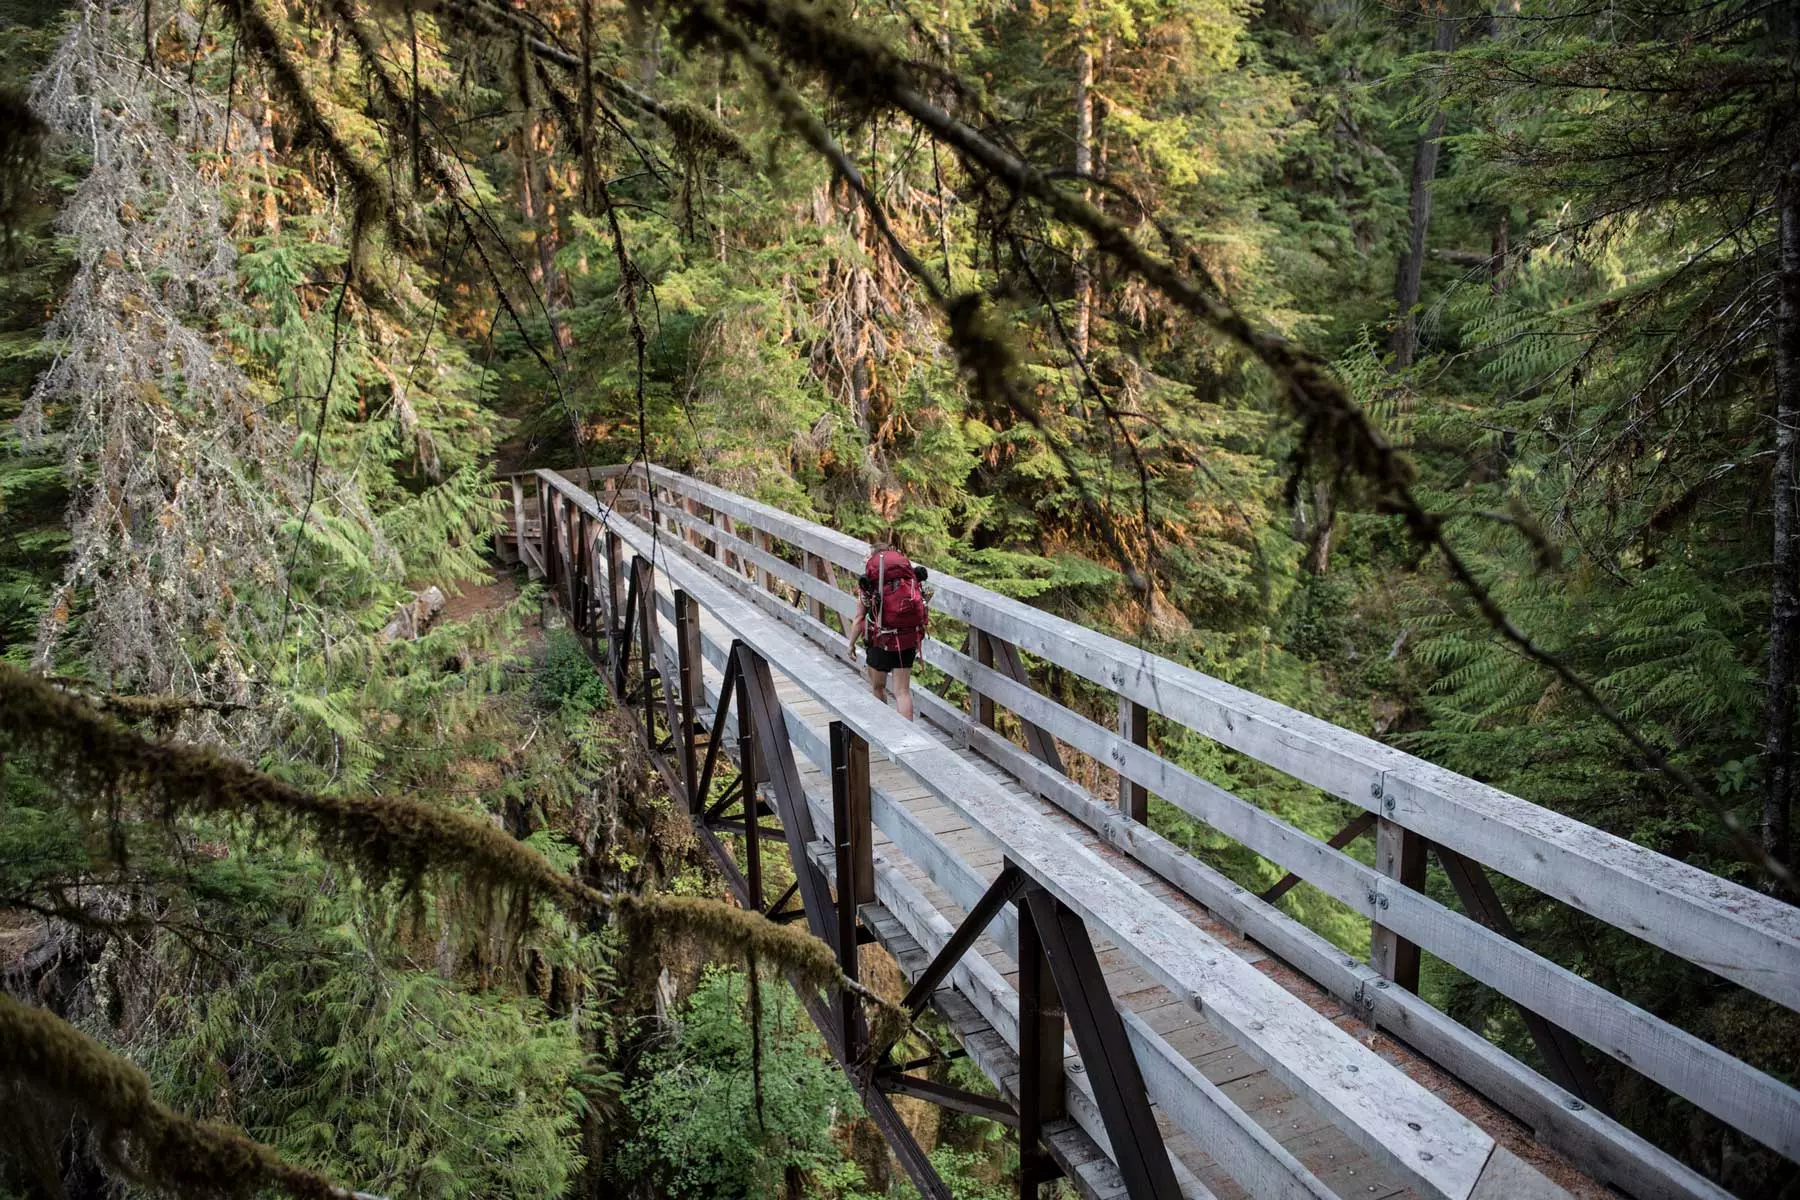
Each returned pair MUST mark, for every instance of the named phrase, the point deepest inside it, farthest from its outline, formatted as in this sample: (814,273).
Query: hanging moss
(141,1138)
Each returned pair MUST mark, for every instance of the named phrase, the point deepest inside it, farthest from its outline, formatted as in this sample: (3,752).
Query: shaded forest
(1433,369)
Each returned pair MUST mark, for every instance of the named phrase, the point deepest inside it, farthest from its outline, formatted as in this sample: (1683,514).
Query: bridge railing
(1737,933)
(1732,931)
(611,572)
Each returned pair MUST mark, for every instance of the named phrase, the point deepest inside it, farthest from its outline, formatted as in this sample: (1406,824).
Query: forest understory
(1432,369)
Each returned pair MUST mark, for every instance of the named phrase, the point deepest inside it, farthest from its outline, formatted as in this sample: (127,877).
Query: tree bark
(534,205)
(1405,340)
(1784,617)
(1084,165)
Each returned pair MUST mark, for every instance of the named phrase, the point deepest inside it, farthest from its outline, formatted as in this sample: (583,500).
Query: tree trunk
(1318,547)
(534,206)
(1405,340)
(1084,165)
(1784,617)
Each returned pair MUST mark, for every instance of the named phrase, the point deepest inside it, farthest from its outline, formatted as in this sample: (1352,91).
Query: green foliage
(701,1132)
(393,1077)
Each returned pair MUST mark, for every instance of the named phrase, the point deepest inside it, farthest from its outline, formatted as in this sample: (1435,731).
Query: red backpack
(897,605)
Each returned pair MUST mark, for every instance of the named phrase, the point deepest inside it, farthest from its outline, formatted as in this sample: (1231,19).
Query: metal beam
(1106,1054)
(1003,889)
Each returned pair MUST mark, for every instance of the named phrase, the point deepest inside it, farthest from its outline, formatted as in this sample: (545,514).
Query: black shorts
(890,660)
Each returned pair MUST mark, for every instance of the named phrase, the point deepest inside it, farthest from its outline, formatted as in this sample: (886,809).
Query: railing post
(766,544)
(646,619)
(1134,727)
(1400,855)
(547,530)
(982,647)
(518,503)
(819,570)
(582,577)
(687,656)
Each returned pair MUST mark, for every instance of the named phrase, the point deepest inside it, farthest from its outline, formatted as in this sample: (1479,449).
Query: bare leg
(903,692)
(878,684)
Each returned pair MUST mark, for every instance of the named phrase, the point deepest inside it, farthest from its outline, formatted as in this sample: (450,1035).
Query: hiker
(890,607)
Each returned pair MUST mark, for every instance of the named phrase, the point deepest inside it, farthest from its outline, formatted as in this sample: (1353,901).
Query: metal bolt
(1375,789)
(1425,1155)
(1388,804)
(1576,1106)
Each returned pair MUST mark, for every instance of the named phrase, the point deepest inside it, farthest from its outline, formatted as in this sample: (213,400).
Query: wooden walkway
(1271,1073)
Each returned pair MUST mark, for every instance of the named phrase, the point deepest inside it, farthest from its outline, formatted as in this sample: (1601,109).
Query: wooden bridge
(1152,1028)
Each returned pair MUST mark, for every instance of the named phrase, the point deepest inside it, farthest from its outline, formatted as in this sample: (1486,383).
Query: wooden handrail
(1733,931)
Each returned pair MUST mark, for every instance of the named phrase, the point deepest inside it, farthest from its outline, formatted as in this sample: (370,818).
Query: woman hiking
(890,608)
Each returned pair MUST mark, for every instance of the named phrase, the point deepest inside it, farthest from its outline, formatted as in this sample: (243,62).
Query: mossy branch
(387,838)
(1335,428)
(142,1138)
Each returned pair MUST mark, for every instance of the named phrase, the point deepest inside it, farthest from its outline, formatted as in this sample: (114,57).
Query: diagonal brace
(1002,890)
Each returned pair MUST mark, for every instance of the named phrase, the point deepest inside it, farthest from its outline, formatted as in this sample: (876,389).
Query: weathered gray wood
(1734,1091)
(1732,930)
(1376,1105)
(1399,855)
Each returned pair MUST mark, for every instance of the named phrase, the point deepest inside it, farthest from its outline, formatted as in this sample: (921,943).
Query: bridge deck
(1345,1169)
(1270,1060)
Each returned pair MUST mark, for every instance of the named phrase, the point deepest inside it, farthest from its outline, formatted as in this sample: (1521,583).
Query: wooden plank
(1732,930)
(1254,1158)
(1440,1151)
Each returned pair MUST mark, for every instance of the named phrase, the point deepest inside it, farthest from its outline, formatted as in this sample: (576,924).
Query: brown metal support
(981,646)
(615,559)
(623,643)
(945,1096)
(688,664)
(1343,837)
(776,753)
(571,558)
(1563,1059)
(1040,743)
(1042,1087)
(853,843)
(747,772)
(1400,855)
(644,584)
(727,692)
(1003,889)
(1112,1070)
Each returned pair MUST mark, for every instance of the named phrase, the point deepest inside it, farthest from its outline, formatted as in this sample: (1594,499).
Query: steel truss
(1059,978)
